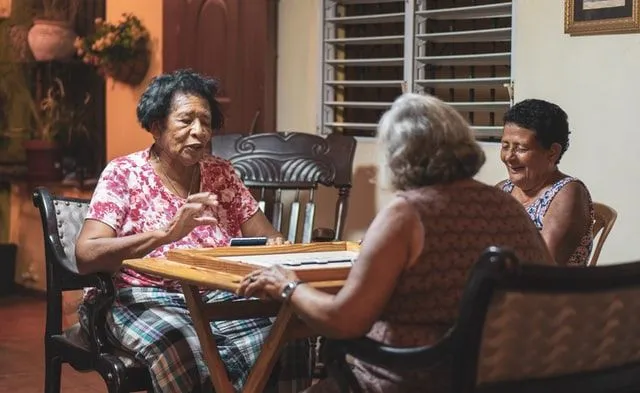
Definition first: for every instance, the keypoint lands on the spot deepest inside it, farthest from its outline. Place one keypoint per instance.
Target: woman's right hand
(195, 212)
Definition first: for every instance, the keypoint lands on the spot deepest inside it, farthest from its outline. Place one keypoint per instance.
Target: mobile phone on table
(248, 241)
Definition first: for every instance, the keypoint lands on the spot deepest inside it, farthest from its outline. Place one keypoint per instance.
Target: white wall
(594, 78)
(297, 102)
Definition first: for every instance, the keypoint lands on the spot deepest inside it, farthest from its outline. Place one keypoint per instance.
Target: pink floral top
(131, 199)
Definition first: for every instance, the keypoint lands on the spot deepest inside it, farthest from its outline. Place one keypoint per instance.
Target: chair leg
(114, 373)
(52, 371)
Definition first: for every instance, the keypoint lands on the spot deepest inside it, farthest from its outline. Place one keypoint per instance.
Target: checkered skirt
(155, 326)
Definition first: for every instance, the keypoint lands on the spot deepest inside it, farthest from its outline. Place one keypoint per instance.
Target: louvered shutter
(458, 50)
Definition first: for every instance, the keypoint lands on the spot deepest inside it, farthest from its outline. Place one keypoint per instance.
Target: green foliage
(113, 42)
(18, 111)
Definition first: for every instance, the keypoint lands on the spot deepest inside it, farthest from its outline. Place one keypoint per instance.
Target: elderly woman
(406, 284)
(536, 135)
(174, 195)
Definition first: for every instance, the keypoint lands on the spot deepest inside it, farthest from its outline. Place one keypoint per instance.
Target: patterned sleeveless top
(460, 221)
(539, 208)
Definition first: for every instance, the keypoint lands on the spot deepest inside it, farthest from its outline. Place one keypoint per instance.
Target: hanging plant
(119, 50)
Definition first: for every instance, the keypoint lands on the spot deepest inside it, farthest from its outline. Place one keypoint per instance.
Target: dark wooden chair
(528, 328)
(276, 165)
(62, 219)
(271, 164)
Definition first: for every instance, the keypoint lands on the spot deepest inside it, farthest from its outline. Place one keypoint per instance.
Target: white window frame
(413, 80)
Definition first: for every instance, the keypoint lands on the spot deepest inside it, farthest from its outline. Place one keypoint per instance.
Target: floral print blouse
(131, 198)
(539, 208)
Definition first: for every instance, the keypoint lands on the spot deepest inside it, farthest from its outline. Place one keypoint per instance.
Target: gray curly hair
(427, 142)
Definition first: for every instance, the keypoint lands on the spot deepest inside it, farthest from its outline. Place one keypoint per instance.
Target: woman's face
(529, 165)
(187, 131)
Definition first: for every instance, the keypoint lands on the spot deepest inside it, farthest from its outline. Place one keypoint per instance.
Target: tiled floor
(22, 319)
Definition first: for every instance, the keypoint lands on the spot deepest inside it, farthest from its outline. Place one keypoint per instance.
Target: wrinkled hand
(277, 241)
(195, 212)
(266, 283)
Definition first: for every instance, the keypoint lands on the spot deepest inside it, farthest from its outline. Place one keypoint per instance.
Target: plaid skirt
(155, 326)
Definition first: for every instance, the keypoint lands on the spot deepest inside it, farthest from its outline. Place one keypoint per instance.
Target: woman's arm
(566, 221)
(99, 250)
(393, 241)
(259, 225)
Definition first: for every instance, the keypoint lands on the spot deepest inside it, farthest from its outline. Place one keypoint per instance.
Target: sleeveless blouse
(539, 207)
(460, 221)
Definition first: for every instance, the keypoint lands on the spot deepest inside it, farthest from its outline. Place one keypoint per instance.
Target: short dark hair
(155, 102)
(547, 120)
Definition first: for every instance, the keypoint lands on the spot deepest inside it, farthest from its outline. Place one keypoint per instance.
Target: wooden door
(233, 41)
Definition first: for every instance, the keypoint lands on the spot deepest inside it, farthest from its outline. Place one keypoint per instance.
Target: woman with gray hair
(405, 287)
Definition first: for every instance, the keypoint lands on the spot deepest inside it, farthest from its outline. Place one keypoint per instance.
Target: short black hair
(547, 120)
(155, 102)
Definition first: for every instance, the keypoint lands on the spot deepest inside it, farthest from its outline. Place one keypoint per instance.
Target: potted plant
(60, 119)
(52, 35)
(119, 50)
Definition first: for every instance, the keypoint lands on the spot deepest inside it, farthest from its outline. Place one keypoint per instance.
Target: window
(373, 50)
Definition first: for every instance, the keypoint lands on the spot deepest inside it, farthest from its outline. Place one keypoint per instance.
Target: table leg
(216, 366)
(270, 351)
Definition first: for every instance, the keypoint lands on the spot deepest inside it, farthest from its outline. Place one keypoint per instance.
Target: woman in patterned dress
(176, 195)
(405, 287)
(536, 135)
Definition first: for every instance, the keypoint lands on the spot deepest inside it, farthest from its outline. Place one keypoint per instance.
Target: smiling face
(187, 129)
(528, 163)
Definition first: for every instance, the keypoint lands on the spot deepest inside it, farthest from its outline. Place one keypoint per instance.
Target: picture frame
(5, 9)
(590, 17)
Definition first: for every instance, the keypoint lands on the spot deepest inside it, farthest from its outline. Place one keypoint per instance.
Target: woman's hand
(266, 283)
(277, 241)
(192, 214)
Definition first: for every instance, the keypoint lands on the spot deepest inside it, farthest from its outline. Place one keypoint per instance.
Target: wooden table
(194, 276)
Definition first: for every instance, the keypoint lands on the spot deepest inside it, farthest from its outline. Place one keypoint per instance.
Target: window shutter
(457, 50)
(463, 56)
(363, 63)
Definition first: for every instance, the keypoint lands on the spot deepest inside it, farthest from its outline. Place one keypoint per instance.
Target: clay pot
(44, 160)
(51, 40)
(131, 72)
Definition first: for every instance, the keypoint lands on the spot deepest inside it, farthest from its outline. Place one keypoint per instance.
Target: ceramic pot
(44, 160)
(51, 40)
(131, 72)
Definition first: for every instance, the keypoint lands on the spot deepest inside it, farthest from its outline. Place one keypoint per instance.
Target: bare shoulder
(574, 193)
(399, 208)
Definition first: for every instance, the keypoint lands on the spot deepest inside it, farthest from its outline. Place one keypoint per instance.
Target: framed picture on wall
(584, 17)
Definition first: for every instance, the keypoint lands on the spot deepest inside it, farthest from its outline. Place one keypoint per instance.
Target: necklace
(168, 179)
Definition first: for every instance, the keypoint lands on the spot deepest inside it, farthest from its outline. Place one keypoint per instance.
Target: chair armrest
(323, 235)
(96, 311)
(379, 354)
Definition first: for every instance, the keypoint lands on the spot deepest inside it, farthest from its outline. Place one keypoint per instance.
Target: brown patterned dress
(460, 220)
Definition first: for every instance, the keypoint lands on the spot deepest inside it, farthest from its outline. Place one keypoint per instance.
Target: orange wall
(124, 135)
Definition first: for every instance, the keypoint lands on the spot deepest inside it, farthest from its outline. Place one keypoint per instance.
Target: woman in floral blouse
(176, 195)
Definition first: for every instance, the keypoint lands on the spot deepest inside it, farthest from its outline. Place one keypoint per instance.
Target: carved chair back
(274, 163)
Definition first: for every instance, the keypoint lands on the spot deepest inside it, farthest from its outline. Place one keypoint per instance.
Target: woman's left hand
(266, 283)
(277, 241)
